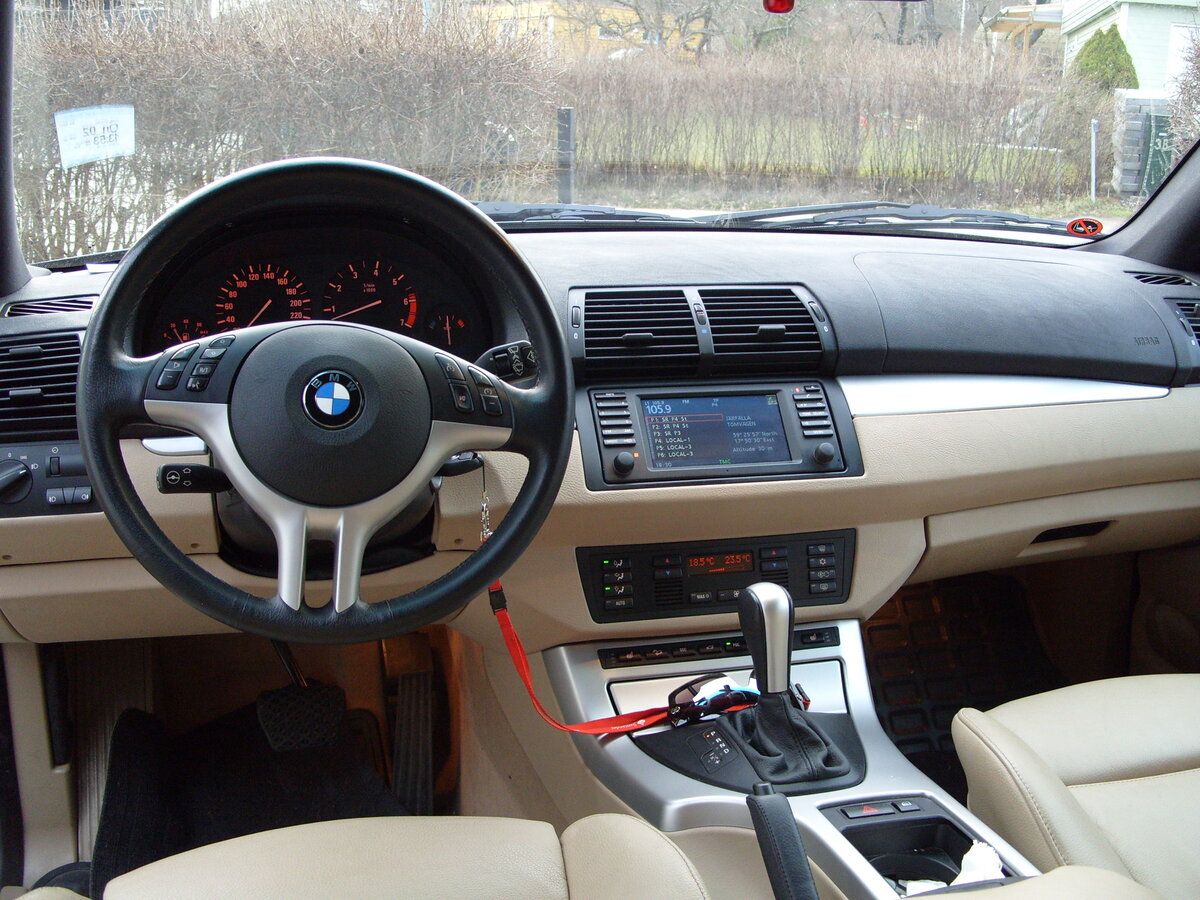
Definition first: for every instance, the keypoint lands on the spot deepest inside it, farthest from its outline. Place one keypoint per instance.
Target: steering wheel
(326, 429)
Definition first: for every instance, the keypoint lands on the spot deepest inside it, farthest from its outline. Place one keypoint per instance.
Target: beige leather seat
(1104, 774)
(601, 857)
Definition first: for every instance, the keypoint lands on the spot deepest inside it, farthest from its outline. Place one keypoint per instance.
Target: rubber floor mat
(166, 794)
(935, 648)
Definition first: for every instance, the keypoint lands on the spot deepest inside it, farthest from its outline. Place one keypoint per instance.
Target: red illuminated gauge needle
(176, 330)
(448, 337)
(259, 313)
(353, 311)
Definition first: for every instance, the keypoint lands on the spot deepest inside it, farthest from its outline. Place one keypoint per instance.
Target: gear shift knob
(767, 614)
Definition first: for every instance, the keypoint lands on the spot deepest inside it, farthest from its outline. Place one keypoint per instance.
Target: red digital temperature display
(716, 563)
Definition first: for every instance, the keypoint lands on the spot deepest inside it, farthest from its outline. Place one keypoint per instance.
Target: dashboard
(978, 396)
(325, 270)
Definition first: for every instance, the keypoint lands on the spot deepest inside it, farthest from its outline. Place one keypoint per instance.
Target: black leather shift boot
(783, 743)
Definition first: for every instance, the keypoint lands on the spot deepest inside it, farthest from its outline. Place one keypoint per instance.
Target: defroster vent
(637, 333)
(45, 307)
(761, 330)
(37, 387)
(1163, 278)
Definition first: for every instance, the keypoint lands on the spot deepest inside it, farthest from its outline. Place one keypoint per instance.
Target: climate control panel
(653, 581)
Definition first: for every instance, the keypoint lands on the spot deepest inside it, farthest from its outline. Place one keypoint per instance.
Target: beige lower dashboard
(942, 493)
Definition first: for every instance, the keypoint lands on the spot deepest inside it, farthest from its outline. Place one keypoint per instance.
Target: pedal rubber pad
(300, 718)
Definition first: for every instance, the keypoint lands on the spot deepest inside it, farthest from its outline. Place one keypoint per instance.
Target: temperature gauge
(448, 328)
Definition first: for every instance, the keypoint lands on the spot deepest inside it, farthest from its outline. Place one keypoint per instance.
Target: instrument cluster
(338, 273)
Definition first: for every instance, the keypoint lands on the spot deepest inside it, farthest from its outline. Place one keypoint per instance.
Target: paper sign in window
(94, 133)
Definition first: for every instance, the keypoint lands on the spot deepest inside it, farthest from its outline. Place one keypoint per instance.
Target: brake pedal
(301, 718)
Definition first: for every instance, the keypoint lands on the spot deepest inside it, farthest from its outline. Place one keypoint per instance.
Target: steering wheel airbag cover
(320, 466)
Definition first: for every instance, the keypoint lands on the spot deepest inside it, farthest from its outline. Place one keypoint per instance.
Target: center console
(894, 822)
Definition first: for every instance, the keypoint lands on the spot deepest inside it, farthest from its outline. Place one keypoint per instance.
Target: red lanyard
(626, 722)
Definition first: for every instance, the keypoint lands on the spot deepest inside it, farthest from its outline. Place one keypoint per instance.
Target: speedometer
(372, 292)
(261, 293)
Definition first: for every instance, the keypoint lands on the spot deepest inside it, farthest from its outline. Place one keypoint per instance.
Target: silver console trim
(898, 395)
(673, 802)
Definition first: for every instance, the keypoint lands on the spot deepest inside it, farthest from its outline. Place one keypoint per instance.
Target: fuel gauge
(183, 330)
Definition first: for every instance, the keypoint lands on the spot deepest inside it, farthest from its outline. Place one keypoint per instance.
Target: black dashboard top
(897, 304)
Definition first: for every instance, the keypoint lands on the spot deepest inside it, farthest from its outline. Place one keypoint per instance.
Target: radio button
(619, 442)
(823, 432)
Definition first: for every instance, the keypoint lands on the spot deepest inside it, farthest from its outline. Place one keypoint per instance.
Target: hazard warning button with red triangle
(866, 810)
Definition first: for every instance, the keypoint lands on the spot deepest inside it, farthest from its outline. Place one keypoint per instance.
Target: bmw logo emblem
(332, 399)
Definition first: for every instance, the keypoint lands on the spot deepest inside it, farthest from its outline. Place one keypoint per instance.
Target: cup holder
(924, 849)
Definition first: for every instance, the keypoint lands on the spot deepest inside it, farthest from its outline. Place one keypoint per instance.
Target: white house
(1157, 32)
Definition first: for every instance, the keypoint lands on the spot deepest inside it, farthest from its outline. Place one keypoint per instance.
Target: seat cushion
(1102, 774)
(409, 857)
(460, 857)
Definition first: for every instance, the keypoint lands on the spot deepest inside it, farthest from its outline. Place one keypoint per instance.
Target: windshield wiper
(876, 212)
(535, 214)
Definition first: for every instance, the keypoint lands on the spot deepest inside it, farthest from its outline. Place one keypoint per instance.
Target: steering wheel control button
(168, 380)
(185, 353)
(462, 397)
(204, 370)
(213, 353)
(449, 368)
(221, 342)
(333, 399)
(175, 365)
(196, 384)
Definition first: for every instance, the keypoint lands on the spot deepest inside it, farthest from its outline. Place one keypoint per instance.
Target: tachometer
(261, 293)
(372, 292)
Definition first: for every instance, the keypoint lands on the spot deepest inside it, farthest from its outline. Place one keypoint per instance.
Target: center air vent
(44, 307)
(1162, 278)
(37, 387)
(636, 333)
(761, 330)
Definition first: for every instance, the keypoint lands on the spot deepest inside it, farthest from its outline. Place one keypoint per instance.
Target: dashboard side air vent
(1163, 278)
(640, 332)
(1189, 312)
(761, 330)
(58, 305)
(37, 387)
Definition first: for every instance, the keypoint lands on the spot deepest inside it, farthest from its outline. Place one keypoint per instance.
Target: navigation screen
(714, 431)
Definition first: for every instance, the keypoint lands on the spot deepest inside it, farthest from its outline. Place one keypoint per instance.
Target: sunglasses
(707, 695)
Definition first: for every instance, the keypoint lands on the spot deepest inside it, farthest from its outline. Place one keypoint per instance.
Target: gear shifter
(782, 742)
(765, 611)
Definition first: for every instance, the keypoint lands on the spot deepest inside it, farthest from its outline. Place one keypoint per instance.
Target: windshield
(121, 109)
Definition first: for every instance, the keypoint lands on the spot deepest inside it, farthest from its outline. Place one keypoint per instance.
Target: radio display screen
(717, 563)
(730, 430)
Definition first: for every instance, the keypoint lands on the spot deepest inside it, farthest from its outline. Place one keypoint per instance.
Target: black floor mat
(935, 648)
(168, 794)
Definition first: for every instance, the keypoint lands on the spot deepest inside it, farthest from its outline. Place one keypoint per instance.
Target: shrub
(1105, 61)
